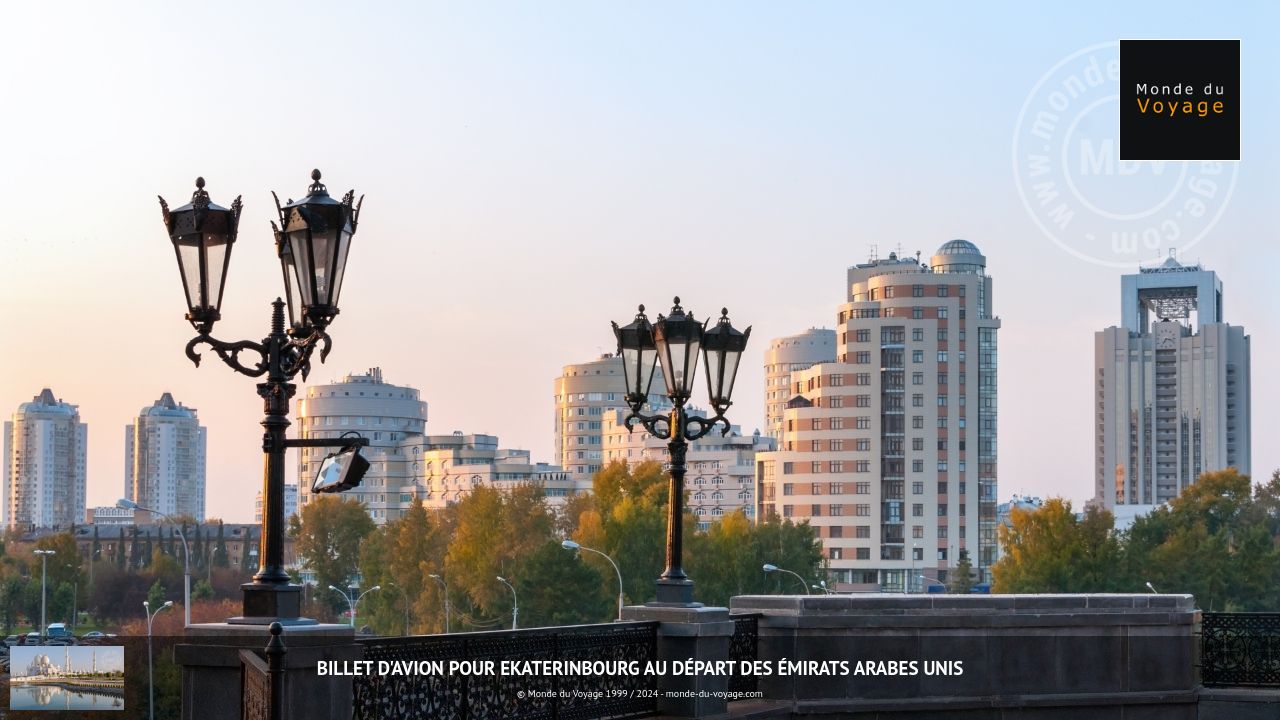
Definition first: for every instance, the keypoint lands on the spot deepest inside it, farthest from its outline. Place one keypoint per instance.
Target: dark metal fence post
(275, 669)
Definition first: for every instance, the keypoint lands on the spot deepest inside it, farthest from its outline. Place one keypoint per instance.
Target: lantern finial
(317, 187)
(200, 198)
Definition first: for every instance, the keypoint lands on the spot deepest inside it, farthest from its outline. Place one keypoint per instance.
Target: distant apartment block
(164, 457)
(785, 356)
(721, 469)
(290, 502)
(45, 446)
(386, 414)
(889, 451)
(406, 464)
(584, 393)
(1172, 390)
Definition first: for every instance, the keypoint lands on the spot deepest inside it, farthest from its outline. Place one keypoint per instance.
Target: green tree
(156, 595)
(220, 558)
(327, 533)
(96, 552)
(202, 590)
(557, 588)
(961, 580)
(120, 558)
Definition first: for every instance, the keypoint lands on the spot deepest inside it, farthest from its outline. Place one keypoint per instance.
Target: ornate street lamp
(676, 341)
(312, 247)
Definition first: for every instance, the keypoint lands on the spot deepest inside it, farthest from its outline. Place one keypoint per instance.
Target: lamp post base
(675, 593)
(265, 604)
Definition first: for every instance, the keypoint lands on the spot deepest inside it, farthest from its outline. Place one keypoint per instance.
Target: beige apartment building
(721, 469)
(889, 451)
(405, 463)
(584, 393)
(785, 356)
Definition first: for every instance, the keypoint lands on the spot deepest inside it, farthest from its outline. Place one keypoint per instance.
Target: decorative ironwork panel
(255, 687)
(474, 696)
(1240, 648)
(743, 646)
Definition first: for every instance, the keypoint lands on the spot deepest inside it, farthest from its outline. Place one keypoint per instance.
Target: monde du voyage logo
(1180, 100)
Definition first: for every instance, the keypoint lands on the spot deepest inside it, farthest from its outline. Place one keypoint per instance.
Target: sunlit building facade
(889, 451)
(164, 458)
(45, 448)
(720, 469)
(584, 393)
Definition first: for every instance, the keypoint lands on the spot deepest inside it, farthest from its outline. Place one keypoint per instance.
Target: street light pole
(677, 341)
(44, 558)
(770, 567)
(151, 684)
(353, 604)
(515, 603)
(127, 504)
(312, 244)
(444, 589)
(571, 545)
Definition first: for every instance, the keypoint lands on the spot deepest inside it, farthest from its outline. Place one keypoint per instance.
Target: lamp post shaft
(43, 567)
(674, 586)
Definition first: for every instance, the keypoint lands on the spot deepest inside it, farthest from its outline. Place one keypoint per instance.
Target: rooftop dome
(47, 404)
(958, 247)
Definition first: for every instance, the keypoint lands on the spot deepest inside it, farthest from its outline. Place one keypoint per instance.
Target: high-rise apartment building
(290, 502)
(584, 393)
(1172, 390)
(45, 446)
(386, 414)
(164, 459)
(721, 469)
(890, 450)
(785, 356)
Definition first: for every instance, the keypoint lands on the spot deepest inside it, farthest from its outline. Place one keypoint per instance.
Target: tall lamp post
(771, 568)
(354, 604)
(515, 603)
(312, 244)
(444, 590)
(676, 341)
(571, 545)
(128, 504)
(151, 684)
(405, 595)
(44, 562)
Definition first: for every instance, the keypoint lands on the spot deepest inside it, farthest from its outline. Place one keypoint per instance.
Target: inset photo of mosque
(66, 678)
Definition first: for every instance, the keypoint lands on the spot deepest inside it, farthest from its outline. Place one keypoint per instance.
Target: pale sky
(534, 170)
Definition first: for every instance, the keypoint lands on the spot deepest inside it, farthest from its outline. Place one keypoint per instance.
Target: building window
(835, 553)
(942, 290)
(917, 334)
(917, 378)
(862, 401)
(862, 444)
(864, 553)
(835, 510)
(917, 510)
(942, 509)
(917, 291)
(917, 532)
(862, 488)
(788, 488)
(835, 488)
(917, 466)
(837, 445)
(862, 423)
(836, 380)
(917, 488)
(917, 356)
(862, 379)
(917, 313)
(862, 531)
(862, 336)
(862, 358)
(862, 510)
(862, 466)
(835, 401)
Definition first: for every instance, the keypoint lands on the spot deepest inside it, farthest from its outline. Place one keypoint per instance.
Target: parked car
(11, 641)
(58, 630)
(31, 638)
(93, 634)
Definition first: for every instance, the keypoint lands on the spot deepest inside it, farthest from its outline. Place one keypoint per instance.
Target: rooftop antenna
(874, 252)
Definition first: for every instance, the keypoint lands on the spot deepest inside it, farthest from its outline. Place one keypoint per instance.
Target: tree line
(517, 535)
(1219, 541)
